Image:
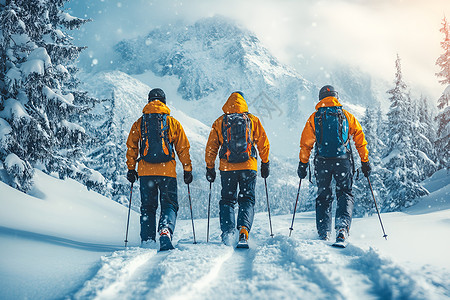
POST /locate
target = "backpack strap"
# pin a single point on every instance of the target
(143, 129)
(225, 128)
(320, 123)
(164, 133)
(249, 122)
(163, 119)
(342, 117)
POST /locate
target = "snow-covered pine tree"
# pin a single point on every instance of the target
(400, 160)
(372, 124)
(427, 114)
(425, 134)
(121, 186)
(108, 154)
(443, 117)
(38, 93)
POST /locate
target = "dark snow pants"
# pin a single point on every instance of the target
(246, 179)
(341, 170)
(167, 187)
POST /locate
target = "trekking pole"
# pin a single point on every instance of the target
(192, 216)
(129, 210)
(209, 210)
(376, 206)
(268, 208)
(295, 208)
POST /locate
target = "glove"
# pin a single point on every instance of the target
(265, 170)
(366, 168)
(301, 171)
(210, 174)
(188, 177)
(132, 176)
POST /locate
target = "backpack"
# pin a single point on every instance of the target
(332, 132)
(237, 138)
(155, 146)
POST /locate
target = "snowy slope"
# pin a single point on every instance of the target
(67, 244)
(53, 238)
(67, 204)
(439, 197)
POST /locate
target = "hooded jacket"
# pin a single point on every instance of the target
(236, 104)
(355, 130)
(176, 136)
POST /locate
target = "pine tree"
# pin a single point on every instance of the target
(422, 140)
(121, 186)
(443, 117)
(400, 160)
(38, 96)
(108, 156)
(372, 124)
(426, 116)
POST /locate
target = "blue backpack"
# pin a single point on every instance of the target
(332, 137)
(237, 138)
(155, 146)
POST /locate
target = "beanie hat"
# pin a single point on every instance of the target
(157, 94)
(327, 91)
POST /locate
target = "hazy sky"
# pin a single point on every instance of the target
(302, 33)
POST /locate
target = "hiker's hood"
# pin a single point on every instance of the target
(156, 107)
(235, 104)
(328, 102)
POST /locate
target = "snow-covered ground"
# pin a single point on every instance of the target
(63, 241)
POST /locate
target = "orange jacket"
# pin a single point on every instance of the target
(355, 130)
(176, 136)
(236, 104)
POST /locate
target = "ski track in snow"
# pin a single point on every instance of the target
(273, 268)
(117, 270)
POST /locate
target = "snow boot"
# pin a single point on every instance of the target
(243, 238)
(165, 240)
(341, 235)
(341, 238)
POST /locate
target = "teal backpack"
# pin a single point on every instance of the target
(332, 132)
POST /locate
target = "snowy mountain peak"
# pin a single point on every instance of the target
(214, 55)
(217, 28)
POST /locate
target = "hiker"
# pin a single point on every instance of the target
(154, 137)
(236, 133)
(329, 129)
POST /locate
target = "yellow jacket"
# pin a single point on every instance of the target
(176, 136)
(355, 130)
(236, 104)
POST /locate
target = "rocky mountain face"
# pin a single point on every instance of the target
(214, 57)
